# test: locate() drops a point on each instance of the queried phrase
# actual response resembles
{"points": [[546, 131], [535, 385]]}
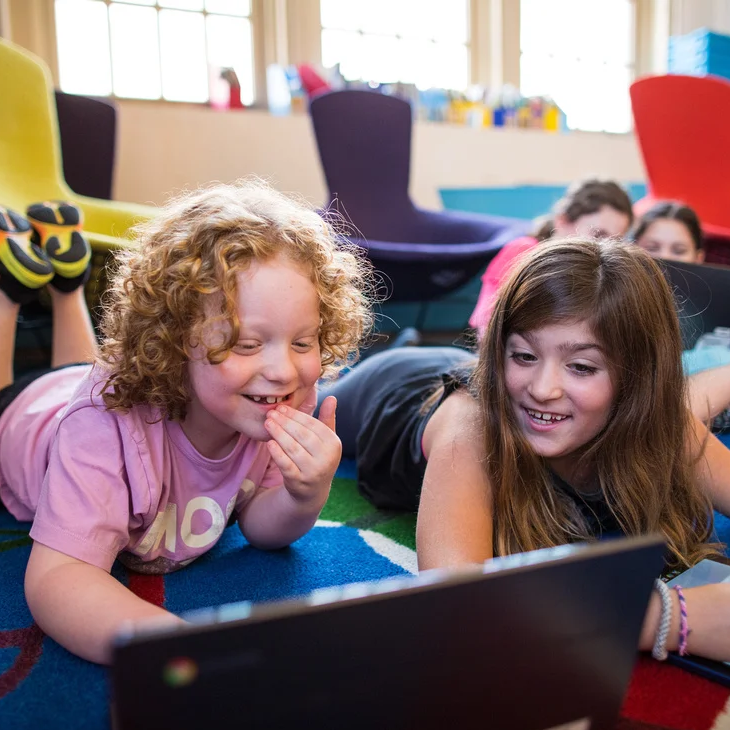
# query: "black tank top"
{"points": [[594, 508]]}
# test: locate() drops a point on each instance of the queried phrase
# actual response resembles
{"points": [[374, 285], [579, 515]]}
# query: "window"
{"points": [[423, 42], [147, 49], [580, 53]]}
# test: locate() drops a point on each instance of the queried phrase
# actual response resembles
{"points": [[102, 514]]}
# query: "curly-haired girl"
{"points": [[197, 409]]}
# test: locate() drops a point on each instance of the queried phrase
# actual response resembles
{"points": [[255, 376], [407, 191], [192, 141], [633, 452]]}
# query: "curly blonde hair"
{"points": [[197, 245]]}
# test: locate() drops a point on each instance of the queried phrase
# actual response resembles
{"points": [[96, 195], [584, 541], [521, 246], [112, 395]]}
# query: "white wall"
{"points": [[687, 15], [453, 156], [163, 148]]}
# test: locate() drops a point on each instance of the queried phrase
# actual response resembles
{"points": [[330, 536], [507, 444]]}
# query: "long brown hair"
{"points": [[641, 458], [583, 198]]}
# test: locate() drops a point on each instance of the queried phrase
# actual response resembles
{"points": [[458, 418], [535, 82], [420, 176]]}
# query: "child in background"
{"points": [[670, 231], [571, 425], [219, 323], [598, 208]]}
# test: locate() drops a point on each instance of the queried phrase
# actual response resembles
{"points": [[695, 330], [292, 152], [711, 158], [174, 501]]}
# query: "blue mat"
{"points": [[44, 686]]}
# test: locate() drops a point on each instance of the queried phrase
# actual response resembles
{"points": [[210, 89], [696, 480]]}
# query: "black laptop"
{"points": [[702, 292], [540, 640], [535, 641]]}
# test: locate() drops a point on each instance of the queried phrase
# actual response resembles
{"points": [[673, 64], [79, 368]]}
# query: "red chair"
{"points": [[682, 125]]}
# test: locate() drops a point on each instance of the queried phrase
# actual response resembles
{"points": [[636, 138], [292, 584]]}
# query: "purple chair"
{"points": [[88, 128], [364, 141]]}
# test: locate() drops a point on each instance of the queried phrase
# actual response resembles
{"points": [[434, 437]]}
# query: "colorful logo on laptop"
{"points": [[180, 672]]}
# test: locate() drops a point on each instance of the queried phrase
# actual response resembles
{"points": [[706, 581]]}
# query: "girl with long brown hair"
{"points": [[571, 425]]}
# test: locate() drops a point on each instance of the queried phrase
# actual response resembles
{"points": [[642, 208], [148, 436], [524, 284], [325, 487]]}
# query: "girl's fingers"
{"points": [[289, 442], [305, 420], [327, 412], [286, 466], [311, 434], [303, 447]]}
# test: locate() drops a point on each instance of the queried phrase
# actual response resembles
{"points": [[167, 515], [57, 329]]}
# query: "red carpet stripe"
{"points": [[668, 696], [30, 643], [149, 587]]}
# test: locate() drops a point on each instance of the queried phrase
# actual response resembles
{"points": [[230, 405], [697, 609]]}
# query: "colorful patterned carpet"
{"points": [[43, 686]]}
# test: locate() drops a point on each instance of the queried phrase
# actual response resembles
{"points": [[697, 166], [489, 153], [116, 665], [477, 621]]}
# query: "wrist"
{"points": [[307, 501], [651, 622], [659, 650], [275, 518]]}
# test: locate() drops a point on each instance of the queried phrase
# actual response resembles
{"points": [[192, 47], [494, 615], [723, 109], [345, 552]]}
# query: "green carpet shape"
{"points": [[347, 506]]}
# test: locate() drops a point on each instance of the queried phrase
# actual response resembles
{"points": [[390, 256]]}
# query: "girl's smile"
{"points": [[268, 400], [558, 381], [543, 421]]}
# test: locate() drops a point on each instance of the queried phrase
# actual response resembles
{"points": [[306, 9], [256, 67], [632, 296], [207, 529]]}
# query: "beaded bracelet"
{"points": [[683, 623], [659, 652]]}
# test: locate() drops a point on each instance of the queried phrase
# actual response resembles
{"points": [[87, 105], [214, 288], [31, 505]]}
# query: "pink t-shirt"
{"points": [[495, 275], [102, 484]]}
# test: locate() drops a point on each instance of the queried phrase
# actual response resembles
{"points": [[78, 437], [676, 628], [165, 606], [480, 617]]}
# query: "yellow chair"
{"points": [[30, 152], [31, 169]]}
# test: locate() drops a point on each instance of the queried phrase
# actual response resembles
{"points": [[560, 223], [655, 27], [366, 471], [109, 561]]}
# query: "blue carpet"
{"points": [[62, 691]]}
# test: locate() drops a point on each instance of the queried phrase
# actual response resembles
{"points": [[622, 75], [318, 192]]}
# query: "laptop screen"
{"points": [[701, 294], [533, 641]]}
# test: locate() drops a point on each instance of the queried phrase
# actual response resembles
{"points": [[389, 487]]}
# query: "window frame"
{"points": [[252, 18], [631, 67], [467, 44], [288, 31]]}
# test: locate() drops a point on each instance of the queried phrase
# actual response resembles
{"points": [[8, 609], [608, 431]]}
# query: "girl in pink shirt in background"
{"points": [[216, 327], [597, 208]]}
